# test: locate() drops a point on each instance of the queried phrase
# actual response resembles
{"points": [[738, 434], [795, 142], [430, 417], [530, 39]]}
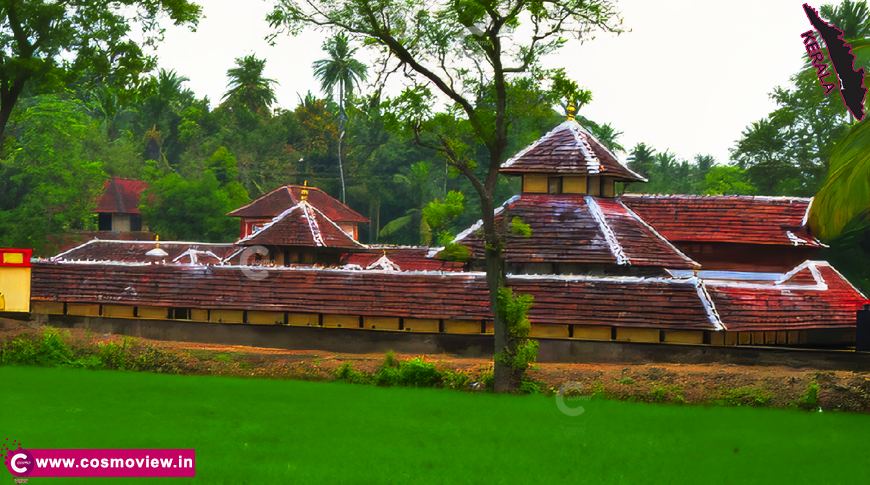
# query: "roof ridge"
{"points": [[607, 232]]}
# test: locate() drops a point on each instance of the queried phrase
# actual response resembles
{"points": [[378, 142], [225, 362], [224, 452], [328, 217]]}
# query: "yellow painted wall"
{"points": [[153, 312], [794, 336], [47, 307], [198, 315], [717, 338], [227, 316], [343, 321], [757, 338], [118, 311], [595, 185], [731, 338], [382, 323], [592, 332], [540, 330], [535, 183], [637, 334], [265, 318], [421, 325], [607, 187], [684, 336], [574, 185], [745, 338], [461, 326], [304, 319], [14, 285], [83, 309]]}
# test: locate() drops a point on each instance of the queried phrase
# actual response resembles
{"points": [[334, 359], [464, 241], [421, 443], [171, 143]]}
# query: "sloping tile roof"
{"points": [[581, 229], [134, 251], [726, 218], [828, 301], [407, 259], [301, 225], [282, 198], [569, 149], [121, 196], [628, 302]]}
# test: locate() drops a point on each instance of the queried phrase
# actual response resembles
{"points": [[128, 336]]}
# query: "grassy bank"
{"points": [[269, 431]]}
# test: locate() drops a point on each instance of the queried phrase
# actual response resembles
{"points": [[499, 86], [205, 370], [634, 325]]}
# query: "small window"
{"points": [[554, 185], [104, 221], [180, 313]]}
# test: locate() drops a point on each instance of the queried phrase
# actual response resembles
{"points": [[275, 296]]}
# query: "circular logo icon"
{"points": [[250, 263], [574, 404], [20, 462]]}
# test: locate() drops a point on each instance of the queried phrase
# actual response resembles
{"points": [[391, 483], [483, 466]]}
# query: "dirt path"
{"points": [[773, 386]]}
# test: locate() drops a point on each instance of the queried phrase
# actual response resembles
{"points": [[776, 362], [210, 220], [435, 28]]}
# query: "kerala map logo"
{"points": [[850, 80]]}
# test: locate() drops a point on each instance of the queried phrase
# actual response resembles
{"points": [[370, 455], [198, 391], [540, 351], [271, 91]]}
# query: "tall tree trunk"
{"points": [[341, 135], [8, 98], [503, 374]]}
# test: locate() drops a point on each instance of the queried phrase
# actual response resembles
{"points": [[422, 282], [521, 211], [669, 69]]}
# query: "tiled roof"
{"points": [[569, 149], [581, 229], [726, 218], [121, 196], [282, 198], [407, 259], [301, 225], [797, 303], [134, 251], [631, 302]]}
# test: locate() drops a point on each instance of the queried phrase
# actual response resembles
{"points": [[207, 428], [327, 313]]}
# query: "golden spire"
{"points": [[571, 110], [157, 238], [305, 191]]}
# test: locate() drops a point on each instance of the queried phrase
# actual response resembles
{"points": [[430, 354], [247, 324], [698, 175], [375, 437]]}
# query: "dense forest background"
{"points": [[204, 158]]}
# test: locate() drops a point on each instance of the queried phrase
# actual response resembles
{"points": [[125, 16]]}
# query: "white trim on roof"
{"points": [[707, 301], [384, 264], [269, 224], [795, 239], [780, 284], [656, 233], [607, 231], [840, 275], [477, 225], [593, 164], [510, 161], [193, 252], [349, 236], [613, 155]]}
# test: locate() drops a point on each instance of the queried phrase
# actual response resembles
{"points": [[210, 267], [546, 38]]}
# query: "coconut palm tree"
{"points": [[341, 70], [248, 87]]}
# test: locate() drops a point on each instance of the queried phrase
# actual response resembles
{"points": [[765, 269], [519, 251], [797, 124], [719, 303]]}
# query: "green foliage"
{"points": [[454, 252], [626, 381], [248, 87], [456, 380], [347, 374], [810, 399], [440, 214], [49, 173], [417, 373], [515, 310], [846, 194], [195, 210], [520, 228], [744, 396], [45, 42], [727, 180]]}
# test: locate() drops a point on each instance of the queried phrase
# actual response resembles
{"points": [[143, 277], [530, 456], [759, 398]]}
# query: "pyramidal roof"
{"points": [[578, 229], [301, 225], [569, 149], [277, 201]]}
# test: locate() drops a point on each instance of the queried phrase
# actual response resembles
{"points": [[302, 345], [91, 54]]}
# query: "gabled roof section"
{"points": [[569, 150], [282, 198], [578, 229], [815, 295], [301, 225], [134, 251], [726, 218], [121, 196]]}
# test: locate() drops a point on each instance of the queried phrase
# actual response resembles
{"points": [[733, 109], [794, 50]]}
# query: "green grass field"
{"points": [[264, 431]]}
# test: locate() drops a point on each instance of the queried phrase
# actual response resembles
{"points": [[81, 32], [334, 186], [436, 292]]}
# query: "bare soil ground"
{"points": [[772, 386]]}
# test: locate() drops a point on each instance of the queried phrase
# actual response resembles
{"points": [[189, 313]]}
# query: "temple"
{"points": [[678, 269]]}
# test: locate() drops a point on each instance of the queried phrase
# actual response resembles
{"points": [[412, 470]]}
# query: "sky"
{"points": [[689, 77]]}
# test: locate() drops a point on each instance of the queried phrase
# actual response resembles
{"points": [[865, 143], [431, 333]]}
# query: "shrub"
{"points": [[744, 396], [347, 374], [417, 373], [456, 380], [627, 381], [810, 399]]}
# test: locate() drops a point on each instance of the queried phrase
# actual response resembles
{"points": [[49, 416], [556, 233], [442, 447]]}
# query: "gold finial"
{"points": [[157, 238], [305, 191], [572, 110]]}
